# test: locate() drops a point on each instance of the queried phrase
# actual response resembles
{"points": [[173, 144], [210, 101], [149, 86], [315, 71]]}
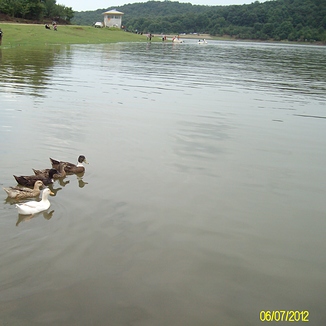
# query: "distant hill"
{"points": [[138, 10], [294, 20]]}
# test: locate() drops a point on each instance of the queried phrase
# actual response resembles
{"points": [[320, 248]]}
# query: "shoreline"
{"points": [[25, 34]]}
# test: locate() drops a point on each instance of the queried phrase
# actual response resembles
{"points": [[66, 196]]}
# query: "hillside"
{"points": [[138, 10], [294, 20]]}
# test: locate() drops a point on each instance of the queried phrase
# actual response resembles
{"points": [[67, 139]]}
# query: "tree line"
{"points": [[293, 20], [36, 10]]}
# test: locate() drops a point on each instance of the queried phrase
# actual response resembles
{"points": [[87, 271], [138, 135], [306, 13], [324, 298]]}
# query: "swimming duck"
{"points": [[61, 171], [33, 207], [30, 180], [22, 192], [70, 167]]}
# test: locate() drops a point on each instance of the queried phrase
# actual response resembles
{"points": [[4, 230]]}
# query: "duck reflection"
{"points": [[81, 182], [26, 218], [54, 190], [13, 201], [63, 182]]}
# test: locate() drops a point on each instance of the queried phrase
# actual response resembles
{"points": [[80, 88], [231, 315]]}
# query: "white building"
{"points": [[112, 18]]}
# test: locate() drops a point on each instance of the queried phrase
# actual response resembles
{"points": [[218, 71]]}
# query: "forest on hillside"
{"points": [[35, 10], [293, 20]]}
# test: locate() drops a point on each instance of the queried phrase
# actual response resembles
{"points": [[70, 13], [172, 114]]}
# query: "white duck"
{"points": [[33, 207]]}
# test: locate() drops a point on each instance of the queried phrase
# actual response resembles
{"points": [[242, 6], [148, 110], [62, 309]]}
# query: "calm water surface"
{"points": [[204, 200]]}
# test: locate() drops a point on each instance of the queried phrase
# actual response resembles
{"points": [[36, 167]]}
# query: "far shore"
{"points": [[191, 36], [34, 34]]}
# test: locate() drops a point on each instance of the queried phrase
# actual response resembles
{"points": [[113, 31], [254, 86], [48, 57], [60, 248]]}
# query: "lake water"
{"points": [[204, 199]]}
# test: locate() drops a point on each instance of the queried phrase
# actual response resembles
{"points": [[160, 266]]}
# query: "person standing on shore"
{"points": [[1, 33]]}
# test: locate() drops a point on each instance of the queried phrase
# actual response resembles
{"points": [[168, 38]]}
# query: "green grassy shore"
{"points": [[20, 34], [15, 34]]}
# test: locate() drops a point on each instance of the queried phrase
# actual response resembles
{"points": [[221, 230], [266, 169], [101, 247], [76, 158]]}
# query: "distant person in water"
{"points": [[1, 34]]}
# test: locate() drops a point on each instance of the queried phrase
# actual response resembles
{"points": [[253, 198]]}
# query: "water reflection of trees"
{"points": [[27, 70]]}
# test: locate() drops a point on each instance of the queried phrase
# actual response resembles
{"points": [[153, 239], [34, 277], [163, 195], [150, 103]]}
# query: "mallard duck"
{"points": [[30, 180], [70, 167], [33, 207], [61, 171], [23, 192]]}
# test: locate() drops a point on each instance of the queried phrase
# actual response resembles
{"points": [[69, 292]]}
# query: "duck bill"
{"points": [[52, 193], [85, 162]]}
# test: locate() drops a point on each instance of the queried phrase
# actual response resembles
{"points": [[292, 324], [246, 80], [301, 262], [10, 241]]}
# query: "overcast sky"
{"points": [[83, 5]]}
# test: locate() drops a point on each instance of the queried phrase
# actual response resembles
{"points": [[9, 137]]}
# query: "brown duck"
{"points": [[70, 167], [61, 171], [23, 192], [30, 180]]}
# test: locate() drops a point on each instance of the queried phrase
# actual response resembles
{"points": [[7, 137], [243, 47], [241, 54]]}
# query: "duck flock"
{"points": [[30, 186]]}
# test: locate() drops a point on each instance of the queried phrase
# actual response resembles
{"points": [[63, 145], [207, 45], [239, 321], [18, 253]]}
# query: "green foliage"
{"points": [[35, 9], [296, 20]]}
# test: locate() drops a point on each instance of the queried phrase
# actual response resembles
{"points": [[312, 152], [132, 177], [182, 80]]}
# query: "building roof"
{"points": [[113, 12]]}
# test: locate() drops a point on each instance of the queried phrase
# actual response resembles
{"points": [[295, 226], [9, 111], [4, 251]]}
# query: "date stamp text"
{"points": [[284, 315]]}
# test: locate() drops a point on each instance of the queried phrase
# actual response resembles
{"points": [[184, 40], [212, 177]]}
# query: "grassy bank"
{"points": [[34, 34], [18, 34]]}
